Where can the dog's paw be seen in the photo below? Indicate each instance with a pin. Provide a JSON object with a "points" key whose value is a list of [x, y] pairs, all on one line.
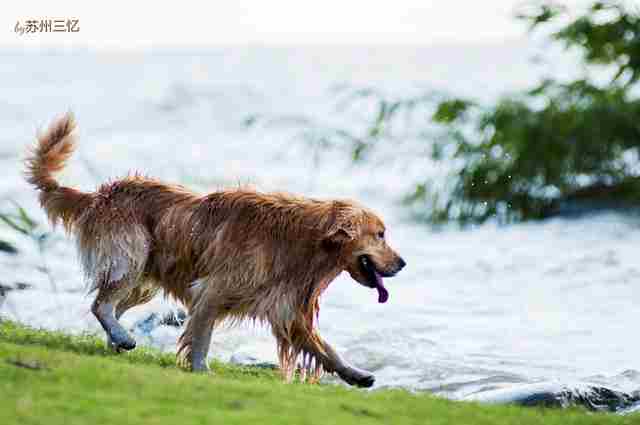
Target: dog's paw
{"points": [[122, 345], [202, 369], [359, 378], [366, 381]]}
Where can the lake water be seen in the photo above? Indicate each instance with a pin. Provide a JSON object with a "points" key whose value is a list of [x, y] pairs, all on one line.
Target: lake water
{"points": [[474, 309]]}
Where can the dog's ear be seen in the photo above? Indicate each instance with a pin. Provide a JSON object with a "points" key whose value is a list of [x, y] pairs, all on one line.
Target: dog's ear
{"points": [[345, 227], [340, 236]]}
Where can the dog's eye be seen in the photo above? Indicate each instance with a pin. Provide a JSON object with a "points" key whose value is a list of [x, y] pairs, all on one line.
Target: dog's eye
{"points": [[381, 235]]}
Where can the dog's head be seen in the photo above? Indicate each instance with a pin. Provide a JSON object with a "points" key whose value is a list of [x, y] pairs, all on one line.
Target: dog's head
{"points": [[359, 235]]}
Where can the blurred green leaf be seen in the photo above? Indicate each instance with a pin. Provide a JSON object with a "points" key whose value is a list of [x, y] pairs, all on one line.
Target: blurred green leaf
{"points": [[12, 222], [8, 247], [451, 110]]}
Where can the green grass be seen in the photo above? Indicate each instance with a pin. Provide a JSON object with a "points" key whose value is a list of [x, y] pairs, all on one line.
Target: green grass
{"points": [[54, 378]]}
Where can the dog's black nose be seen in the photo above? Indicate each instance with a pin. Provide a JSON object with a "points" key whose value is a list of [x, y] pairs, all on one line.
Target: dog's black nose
{"points": [[401, 263]]}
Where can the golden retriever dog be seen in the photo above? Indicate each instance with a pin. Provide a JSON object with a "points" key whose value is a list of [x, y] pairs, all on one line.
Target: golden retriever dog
{"points": [[228, 255]]}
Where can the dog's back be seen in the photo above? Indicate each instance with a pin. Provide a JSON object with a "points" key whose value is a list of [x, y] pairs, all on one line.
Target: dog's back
{"points": [[138, 228]]}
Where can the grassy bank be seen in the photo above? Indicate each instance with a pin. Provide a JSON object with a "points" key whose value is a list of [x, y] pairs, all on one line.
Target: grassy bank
{"points": [[54, 378]]}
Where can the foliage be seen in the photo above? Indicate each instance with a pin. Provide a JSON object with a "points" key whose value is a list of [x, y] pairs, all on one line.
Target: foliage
{"points": [[521, 160], [22, 223], [608, 33], [19, 222], [8, 247], [529, 154]]}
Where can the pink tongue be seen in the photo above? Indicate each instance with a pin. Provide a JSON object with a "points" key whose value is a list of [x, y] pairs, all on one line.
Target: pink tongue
{"points": [[383, 294]]}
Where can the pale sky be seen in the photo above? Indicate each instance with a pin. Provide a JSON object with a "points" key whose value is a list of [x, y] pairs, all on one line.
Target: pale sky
{"points": [[132, 23]]}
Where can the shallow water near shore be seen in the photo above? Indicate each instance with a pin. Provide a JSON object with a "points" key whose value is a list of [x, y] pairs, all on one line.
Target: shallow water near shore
{"points": [[474, 309]]}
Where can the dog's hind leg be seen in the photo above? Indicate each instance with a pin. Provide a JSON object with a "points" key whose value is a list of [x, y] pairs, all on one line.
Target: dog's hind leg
{"points": [[117, 277], [137, 296], [114, 262], [110, 293]]}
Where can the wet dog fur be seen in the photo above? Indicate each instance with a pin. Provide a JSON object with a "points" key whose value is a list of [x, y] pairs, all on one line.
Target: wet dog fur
{"points": [[228, 255]]}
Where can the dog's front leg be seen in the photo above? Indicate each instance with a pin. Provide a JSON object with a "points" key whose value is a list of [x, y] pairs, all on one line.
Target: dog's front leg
{"points": [[333, 362], [296, 338], [196, 339], [201, 340]]}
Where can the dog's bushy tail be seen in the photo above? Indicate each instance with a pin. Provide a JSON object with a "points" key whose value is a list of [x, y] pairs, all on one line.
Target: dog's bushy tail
{"points": [[47, 157]]}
